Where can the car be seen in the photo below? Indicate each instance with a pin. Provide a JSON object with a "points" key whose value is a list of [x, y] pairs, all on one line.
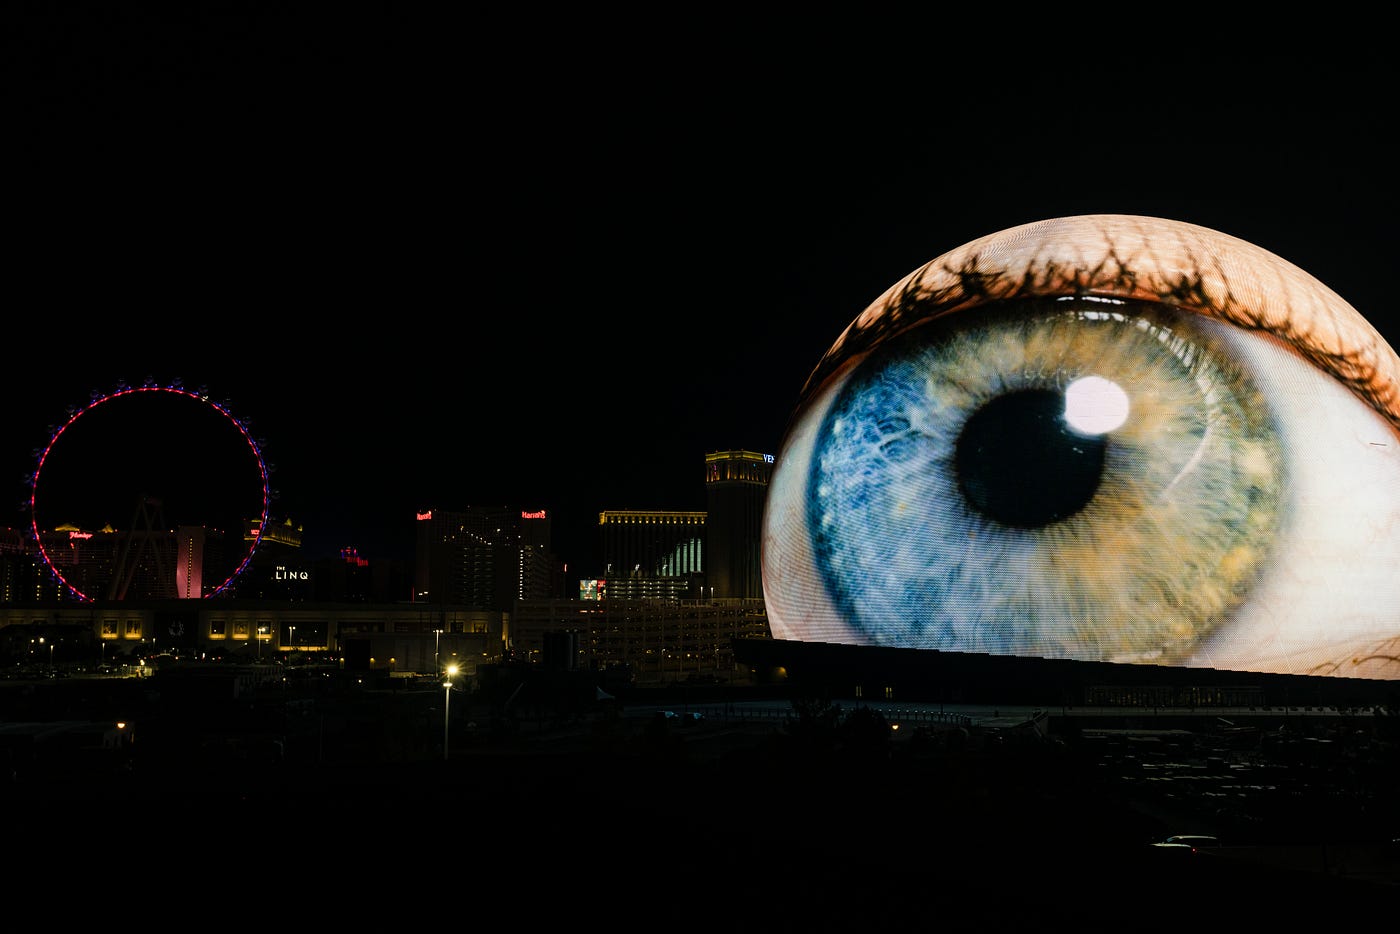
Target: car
{"points": [[1188, 842]]}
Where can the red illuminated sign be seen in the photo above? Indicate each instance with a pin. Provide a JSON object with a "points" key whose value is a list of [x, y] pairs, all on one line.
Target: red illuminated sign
{"points": [[532, 515], [73, 535]]}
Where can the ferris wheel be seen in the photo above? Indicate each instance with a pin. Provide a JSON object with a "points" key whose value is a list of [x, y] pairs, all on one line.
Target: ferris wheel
{"points": [[158, 454]]}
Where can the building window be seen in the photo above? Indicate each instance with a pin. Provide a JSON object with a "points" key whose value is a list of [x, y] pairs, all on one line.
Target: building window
{"points": [[218, 629], [240, 631], [133, 629]]}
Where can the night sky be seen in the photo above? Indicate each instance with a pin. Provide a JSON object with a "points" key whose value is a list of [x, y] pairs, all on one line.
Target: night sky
{"points": [[436, 264]]}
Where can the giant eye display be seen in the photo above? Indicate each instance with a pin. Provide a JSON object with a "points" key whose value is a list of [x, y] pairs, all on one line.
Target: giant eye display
{"points": [[1103, 438]]}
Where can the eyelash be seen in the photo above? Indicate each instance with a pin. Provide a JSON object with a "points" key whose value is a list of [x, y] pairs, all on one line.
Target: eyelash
{"points": [[1366, 364]]}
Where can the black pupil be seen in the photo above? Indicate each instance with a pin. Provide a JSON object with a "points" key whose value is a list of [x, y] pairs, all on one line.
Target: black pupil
{"points": [[1022, 465]]}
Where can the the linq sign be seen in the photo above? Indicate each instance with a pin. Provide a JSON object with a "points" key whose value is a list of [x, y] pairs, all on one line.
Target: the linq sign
{"points": [[282, 574]]}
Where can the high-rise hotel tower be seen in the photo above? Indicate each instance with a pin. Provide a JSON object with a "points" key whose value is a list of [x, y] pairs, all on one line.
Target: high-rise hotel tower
{"points": [[646, 543], [736, 489], [484, 557]]}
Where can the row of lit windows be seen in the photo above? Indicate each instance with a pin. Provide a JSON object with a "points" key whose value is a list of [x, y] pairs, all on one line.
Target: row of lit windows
{"points": [[115, 629], [1168, 695], [218, 629], [651, 518]]}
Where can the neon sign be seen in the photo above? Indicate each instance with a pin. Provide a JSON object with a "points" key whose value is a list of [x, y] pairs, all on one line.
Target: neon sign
{"points": [[532, 515]]}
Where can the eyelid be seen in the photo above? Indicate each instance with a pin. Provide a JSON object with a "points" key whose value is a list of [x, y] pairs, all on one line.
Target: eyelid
{"points": [[1123, 256]]}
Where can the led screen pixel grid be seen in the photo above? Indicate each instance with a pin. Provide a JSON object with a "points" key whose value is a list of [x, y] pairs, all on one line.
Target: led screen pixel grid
{"points": [[1224, 493]]}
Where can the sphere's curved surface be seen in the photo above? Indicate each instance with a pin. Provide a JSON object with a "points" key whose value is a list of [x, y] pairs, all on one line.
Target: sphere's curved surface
{"points": [[1104, 438], [137, 458]]}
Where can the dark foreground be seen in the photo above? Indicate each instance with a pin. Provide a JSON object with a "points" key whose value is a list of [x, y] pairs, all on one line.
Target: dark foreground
{"points": [[630, 824]]}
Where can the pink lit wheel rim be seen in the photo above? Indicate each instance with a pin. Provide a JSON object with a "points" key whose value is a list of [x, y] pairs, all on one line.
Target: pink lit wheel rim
{"points": [[137, 454]]}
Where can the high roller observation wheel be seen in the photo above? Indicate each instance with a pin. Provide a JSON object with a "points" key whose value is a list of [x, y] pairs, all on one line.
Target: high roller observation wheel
{"points": [[98, 399]]}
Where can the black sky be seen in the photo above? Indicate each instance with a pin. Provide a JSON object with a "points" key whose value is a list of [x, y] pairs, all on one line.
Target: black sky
{"points": [[435, 264]]}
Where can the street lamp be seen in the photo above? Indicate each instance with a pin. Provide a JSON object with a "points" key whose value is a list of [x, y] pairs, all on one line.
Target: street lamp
{"points": [[437, 665], [446, 705], [287, 659]]}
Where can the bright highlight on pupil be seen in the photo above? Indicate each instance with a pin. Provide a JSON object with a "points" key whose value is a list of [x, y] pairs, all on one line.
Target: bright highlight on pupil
{"points": [[1095, 406]]}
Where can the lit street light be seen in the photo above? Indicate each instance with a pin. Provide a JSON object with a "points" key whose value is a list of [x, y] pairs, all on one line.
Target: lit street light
{"points": [[446, 704], [287, 658]]}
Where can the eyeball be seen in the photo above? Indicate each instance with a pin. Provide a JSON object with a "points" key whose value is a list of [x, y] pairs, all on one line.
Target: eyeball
{"points": [[1101, 438]]}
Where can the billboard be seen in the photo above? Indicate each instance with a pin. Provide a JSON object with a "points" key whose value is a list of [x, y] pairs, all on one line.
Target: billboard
{"points": [[1103, 438]]}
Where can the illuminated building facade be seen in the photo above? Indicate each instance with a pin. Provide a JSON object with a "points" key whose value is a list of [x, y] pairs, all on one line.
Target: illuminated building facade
{"points": [[397, 639], [679, 586], [280, 571], [187, 562], [655, 641], [22, 575], [736, 488], [651, 543], [484, 557], [647, 588], [277, 569], [190, 562]]}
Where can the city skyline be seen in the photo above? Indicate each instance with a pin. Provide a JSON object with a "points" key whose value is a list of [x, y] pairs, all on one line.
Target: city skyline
{"points": [[189, 458]]}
